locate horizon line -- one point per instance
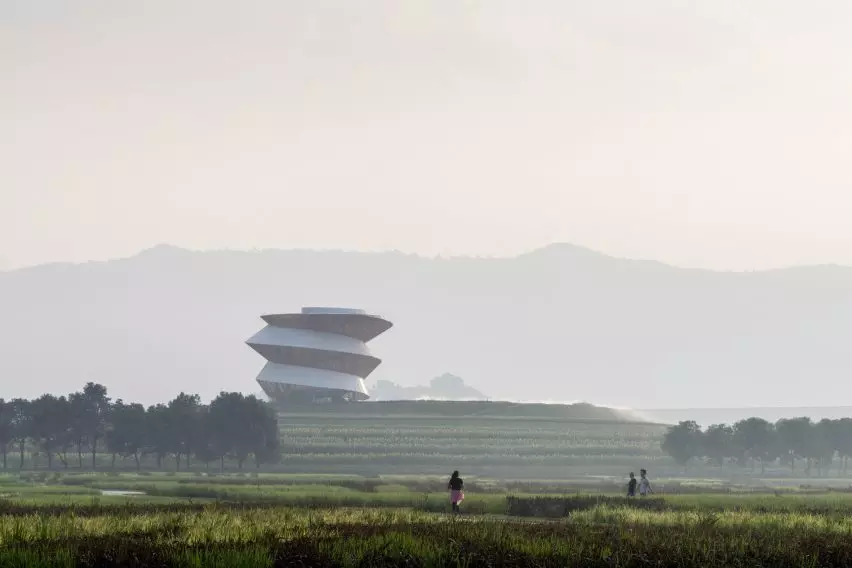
(438, 257)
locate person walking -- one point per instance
(644, 484)
(456, 487)
(631, 486)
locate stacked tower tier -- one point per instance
(320, 353)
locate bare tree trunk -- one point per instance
(94, 453)
(21, 447)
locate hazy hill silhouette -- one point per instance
(560, 324)
(445, 387)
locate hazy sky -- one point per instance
(713, 133)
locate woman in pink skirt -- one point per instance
(456, 487)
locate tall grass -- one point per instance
(346, 523)
(602, 536)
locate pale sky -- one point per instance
(704, 133)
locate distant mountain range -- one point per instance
(561, 323)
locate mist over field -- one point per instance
(468, 135)
(561, 323)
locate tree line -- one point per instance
(755, 440)
(89, 423)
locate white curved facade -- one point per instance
(318, 353)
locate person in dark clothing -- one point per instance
(631, 486)
(456, 487)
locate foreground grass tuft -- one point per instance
(603, 535)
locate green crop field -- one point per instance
(367, 487)
(603, 537)
(345, 520)
(517, 441)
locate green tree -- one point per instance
(796, 438)
(719, 443)
(7, 428)
(22, 425)
(158, 432)
(264, 432)
(243, 426)
(843, 440)
(225, 419)
(184, 425)
(683, 442)
(128, 434)
(96, 414)
(77, 410)
(824, 444)
(756, 439)
(205, 445)
(50, 426)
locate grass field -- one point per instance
(223, 535)
(368, 488)
(335, 520)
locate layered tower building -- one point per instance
(317, 355)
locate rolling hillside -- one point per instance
(498, 439)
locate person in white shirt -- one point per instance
(644, 484)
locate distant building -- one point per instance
(317, 355)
